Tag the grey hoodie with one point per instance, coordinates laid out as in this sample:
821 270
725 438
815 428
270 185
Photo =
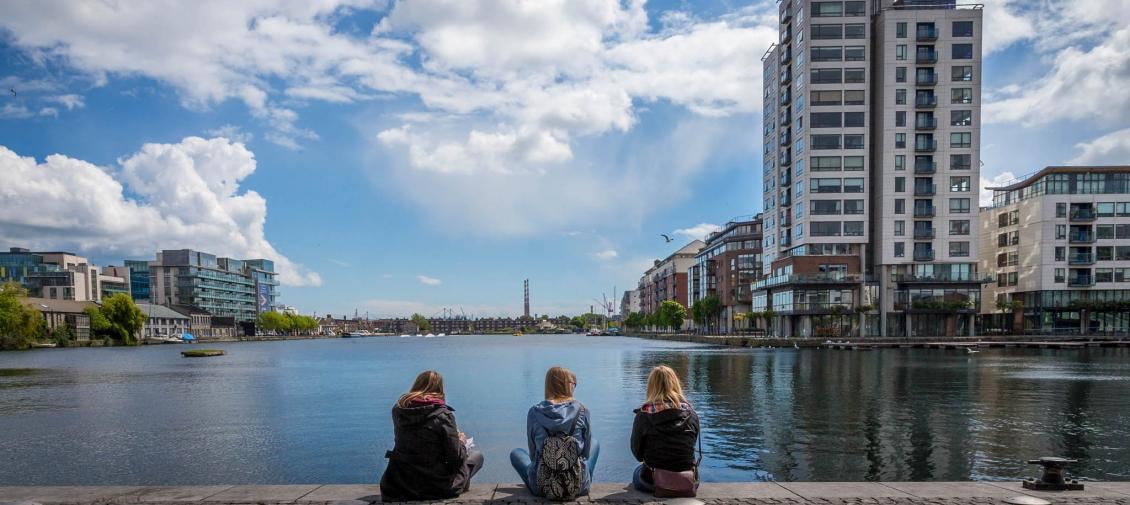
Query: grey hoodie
547 418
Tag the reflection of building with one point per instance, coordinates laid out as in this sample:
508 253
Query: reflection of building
54 275
727 267
1062 238
59 313
221 286
667 279
871 150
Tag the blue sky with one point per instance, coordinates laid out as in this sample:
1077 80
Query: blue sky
399 157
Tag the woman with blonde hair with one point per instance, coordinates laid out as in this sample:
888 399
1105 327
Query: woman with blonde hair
664 435
430 460
561 454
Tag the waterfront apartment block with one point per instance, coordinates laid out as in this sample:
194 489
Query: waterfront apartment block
871 149
667 279
629 303
222 286
53 275
1058 244
726 267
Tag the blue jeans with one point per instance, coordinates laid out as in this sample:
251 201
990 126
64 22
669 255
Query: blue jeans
520 460
643 482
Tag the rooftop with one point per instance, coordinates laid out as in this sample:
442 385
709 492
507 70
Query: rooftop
1027 180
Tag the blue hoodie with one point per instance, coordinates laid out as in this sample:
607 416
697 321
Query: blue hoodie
546 418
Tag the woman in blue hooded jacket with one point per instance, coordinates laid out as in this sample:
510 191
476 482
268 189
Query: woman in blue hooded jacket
559 413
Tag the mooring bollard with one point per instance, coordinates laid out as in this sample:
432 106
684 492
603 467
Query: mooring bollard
1052 478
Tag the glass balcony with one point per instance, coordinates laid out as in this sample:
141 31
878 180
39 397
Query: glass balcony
925 167
1081 238
786 34
925 190
923 255
926 102
930 79
924 212
923 234
924 34
1080 281
924 57
786 138
925 124
1082 214
1081 259
925 146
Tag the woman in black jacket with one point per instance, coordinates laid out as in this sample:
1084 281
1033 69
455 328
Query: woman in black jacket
665 431
430 460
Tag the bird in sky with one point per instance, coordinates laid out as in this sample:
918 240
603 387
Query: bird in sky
665 237
12 91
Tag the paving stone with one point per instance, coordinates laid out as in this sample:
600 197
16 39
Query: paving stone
333 492
18 493
515 493
950 489
1089 491
179 493
615 493
1117 487
810 490
747 490
257 494
81 494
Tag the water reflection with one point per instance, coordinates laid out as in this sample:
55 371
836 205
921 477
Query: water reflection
317 411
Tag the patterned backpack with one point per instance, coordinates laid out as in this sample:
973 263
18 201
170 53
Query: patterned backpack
559 467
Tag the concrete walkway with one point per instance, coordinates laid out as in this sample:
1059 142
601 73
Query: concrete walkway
783 493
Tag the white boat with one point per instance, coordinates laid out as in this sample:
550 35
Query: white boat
419 335
429 336
442 335
43 345
405 335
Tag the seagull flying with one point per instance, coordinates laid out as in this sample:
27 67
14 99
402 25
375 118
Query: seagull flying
12 91
665 237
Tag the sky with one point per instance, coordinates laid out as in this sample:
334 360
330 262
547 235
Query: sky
415 156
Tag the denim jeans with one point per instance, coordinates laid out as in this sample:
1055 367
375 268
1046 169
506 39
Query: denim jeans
520 460
642 480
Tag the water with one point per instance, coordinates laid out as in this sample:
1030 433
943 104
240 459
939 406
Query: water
317 411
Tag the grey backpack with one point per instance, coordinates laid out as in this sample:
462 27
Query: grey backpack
559 467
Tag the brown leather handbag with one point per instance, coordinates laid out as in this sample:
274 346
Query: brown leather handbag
669 484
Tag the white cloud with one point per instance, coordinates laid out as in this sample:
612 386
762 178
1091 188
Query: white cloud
1005 25
340 263
428 281
698 231
1110 149
13 111
233 133
1001 179
70 101
606 255
165 196
49 111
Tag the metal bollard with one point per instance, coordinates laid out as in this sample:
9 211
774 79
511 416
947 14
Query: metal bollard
1052 478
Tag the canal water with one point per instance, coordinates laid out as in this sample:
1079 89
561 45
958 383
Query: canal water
317 411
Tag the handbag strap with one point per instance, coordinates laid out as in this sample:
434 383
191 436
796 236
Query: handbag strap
698 438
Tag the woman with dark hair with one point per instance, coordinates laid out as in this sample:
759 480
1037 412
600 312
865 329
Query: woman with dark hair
430 460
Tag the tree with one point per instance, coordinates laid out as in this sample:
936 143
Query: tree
19 325
768 315
671 314
99 325
271 321
634 320
126 320
421 322
711 309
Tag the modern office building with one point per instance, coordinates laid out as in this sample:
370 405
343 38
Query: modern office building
667 279
871 150
113 280
53 275
726 267
1058 242
138 279
222 286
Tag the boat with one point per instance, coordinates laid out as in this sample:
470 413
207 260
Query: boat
357 333
405 335
43 345
517 334
442 335
429 336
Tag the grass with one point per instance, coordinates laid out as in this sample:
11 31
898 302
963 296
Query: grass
202 353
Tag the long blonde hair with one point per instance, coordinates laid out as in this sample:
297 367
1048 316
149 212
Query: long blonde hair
559 384
428 383
664 386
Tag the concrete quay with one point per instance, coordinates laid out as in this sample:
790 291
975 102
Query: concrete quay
756 493
959 343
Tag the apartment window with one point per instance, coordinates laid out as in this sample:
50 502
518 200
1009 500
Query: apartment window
1104 209
853 228
900 52
1104 231
1104 253
853 119
855 53
855 31
853 206
962 29
827 9
856 8
900 30
853 163
961 96
961 139
1060 231
825 207
900 140
959 205
827 32
1104 275
961 72
1122 231
1059 275
826 97
961 118
853 141
824 229
961 161
853 185
854 75
962 52
825 142
1002 240
900 206
826 76
900 184
825 120
827 53
825 163
1061 210
1123 209
900 228
959 227
959 249
818 185
854 97
900 74
959 183
1060 253
900 249
900 97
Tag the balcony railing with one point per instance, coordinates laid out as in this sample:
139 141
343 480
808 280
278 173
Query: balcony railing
926 57
925 190
786 138
1081 281
1081 238
923 212
926 79
928 102
947 278
925 168
925 124
787 34
1081 259
927 255
1082 215
777 280
926 234
927 34
786 118
925 146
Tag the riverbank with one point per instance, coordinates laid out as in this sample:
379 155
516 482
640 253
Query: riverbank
1067 341
824 493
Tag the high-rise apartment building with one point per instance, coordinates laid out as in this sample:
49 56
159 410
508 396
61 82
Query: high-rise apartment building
871 153
222 286
1058 244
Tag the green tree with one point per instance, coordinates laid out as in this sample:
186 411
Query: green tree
421 322
19 325
272 321
99 326
711 308
578 322
671 314
126 320
634 320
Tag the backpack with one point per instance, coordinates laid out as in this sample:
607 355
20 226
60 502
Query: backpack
559 469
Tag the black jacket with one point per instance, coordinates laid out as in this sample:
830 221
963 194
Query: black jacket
427 462
666 439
